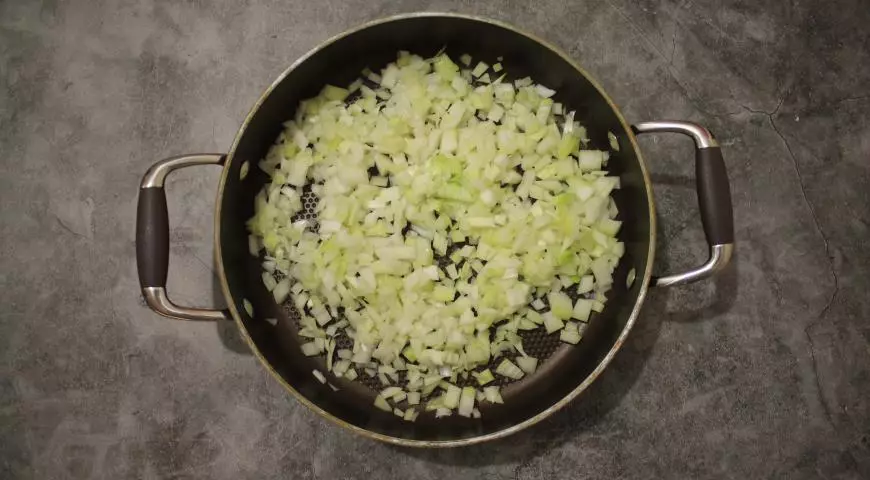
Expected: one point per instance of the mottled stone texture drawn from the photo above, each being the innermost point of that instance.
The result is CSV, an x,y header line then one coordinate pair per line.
x,y
763,373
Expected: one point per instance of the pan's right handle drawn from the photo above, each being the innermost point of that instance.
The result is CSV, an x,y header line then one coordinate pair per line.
x,y
714,199
152,238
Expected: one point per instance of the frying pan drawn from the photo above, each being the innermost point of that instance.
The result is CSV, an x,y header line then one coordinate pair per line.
x,y
565,370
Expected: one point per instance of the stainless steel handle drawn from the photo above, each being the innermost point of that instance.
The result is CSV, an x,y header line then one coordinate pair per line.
x,y
714,199
152,238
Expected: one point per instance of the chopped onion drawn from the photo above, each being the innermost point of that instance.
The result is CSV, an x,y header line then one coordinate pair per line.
x,y
451,396
319,376
484,377
527,364
249,309
281,290
382,404
466,401
492,394
429,162
507,369
552,323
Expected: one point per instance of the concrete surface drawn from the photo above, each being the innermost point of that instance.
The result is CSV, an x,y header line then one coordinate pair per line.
x,y
764,373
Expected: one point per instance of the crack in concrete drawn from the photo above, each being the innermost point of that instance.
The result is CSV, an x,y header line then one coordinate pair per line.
x,y
70,230
834,275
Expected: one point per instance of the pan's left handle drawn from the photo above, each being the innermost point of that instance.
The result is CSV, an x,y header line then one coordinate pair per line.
x,y
152,238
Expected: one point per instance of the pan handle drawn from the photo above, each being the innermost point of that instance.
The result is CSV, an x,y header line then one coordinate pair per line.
x,y
152,238
714,199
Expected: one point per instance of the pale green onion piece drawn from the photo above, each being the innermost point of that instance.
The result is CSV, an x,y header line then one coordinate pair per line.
x,y
507,369
249,309
492,394
451,396
389,392
475,413
497,67
443,412
254,245
413,398
527,364
466,401
629,279
319,376
465,59
410,415
597,306
382,404
560,305
479,69
269,281
582,309
586,284
483,377
281,290
552,323
311,348
243,170
614,143
570,334
351,374
272,321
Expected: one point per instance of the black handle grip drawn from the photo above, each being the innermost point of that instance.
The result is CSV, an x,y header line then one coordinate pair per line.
x,y
152,237
714,196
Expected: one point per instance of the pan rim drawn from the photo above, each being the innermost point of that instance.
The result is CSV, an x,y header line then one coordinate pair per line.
x,y
504,432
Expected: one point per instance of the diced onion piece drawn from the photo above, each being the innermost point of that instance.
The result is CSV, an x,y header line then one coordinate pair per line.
x,y
582,309
443,412
249,309
483,377
629,278
451,396
552,323
527,364
390,392
570,334
560,305
319,376
243,170
614,143
492,394
466,401
413,398
311,349
587,282
479,69
382,404
507,369
281,290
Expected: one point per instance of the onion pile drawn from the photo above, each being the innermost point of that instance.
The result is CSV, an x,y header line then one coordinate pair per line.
x,y
453,211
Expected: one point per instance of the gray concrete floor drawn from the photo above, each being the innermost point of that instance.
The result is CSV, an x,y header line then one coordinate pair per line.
x,y
764,373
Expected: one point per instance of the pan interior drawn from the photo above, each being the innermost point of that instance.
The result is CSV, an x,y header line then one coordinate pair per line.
x,y
339,63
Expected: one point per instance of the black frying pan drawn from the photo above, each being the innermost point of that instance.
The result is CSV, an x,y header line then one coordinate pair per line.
x,y
565,370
